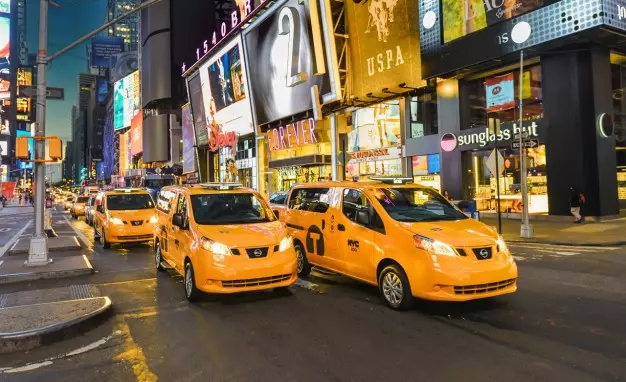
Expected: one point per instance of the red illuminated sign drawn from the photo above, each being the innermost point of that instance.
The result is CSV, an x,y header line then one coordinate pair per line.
x,y
219,138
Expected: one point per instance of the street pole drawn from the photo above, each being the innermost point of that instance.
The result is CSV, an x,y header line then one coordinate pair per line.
x,y
526,230
38,251
497,129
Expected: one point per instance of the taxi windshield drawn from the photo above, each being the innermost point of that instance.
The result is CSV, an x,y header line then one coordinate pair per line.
x,y
82,199
217,209
416,205
129,202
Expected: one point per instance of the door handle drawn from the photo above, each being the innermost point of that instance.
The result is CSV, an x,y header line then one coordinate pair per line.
x,y
341,227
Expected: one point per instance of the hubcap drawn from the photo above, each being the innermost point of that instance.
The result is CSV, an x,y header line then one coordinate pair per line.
x,y
392,288
188,282
300,257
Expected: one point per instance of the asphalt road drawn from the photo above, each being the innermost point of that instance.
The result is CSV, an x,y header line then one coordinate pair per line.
x,y
566,323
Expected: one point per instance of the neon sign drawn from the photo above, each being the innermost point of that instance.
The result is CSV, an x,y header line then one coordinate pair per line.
x,y
219,138
292,135
237,17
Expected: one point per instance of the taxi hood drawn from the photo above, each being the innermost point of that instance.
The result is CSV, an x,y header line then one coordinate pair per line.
x,y
133,214
459,233
245,235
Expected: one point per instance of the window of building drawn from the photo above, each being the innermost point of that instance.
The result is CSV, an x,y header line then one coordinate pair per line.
x,y
618,76
494,97
423,110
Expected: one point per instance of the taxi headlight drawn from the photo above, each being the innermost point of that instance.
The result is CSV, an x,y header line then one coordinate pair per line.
x,y
285,244
502,247
215,247
116,221
433,246
154,220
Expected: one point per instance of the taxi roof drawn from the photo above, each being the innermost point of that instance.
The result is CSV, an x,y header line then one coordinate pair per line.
x,y
369,183
122,191
209,188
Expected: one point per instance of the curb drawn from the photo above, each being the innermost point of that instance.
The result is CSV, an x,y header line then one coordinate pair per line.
x,y
33,338
77,246
34,276
556,242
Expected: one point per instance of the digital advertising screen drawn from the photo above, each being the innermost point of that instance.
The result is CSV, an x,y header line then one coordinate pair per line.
x,y
225,91
194,87
5,6
126,101
189,158
5,54
103,89
136,134
462,17
31,148
281,64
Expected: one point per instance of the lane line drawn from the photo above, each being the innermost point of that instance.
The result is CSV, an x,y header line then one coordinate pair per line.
x,y
10,243
80,235
133,355
126,282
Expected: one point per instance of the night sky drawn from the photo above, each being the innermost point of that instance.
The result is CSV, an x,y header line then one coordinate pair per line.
x,y
75,19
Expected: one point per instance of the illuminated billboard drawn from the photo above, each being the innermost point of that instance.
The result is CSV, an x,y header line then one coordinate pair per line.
x,y
189,151
31,148
5,54
126,101
225,93
5,6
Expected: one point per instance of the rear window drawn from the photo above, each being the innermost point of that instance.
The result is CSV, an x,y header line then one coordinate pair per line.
x,y
129,202
82,199
278,199
310,199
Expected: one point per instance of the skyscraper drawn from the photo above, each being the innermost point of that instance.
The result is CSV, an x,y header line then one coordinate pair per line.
x,y
127,28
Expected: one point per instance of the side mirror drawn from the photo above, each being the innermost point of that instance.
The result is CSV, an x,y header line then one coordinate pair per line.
x,y
276,213
178,221
363,217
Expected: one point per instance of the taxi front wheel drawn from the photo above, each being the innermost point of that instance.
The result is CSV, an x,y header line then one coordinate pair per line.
x,y
394,287
191,292
158,259
304,268
105,243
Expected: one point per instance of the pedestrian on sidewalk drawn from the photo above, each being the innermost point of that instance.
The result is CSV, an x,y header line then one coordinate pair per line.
x,y
574,204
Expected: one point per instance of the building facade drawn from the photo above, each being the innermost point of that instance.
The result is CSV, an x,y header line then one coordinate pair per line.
x,y
128,28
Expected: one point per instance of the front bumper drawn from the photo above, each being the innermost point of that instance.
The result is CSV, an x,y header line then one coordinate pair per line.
x,y
126,233
239,273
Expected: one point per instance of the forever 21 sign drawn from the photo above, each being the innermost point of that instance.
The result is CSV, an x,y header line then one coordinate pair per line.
x,y
237,17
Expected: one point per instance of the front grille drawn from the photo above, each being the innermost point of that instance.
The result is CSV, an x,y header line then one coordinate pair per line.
x,y
483,288
257,253
136,222
135,237
255,282
483,253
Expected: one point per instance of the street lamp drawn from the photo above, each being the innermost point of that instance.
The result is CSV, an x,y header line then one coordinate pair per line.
x,y
520,34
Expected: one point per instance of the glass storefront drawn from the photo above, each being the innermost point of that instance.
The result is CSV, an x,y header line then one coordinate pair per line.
x,y
374,142
618,75
298,153
239,167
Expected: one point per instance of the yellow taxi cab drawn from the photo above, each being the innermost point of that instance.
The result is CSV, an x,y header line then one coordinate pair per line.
x,y
223,238
78,207
123,216
404,238
67,204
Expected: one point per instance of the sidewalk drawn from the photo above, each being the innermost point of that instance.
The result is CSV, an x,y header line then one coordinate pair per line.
x,y
605,233
13,209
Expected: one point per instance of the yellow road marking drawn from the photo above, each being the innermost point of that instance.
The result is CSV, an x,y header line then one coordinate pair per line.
x,y
133,355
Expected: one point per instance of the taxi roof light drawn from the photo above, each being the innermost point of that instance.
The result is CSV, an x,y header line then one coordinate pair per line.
x,y
221,186
392,180
128,190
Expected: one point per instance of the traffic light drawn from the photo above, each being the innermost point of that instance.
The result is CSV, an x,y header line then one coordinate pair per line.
x,y
21,148
55,148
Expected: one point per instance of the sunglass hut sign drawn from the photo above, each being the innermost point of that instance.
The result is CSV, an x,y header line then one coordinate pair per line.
x,y
449,141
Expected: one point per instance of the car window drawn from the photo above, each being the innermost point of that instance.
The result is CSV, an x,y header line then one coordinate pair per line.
x,y
164,200
310,199
82,199
278,199
230,208
129,202
355,200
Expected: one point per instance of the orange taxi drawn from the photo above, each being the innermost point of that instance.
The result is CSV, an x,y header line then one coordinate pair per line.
x,y
223,238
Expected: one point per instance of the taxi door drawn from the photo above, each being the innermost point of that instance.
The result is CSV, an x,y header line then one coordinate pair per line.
x,y
356,236
180,238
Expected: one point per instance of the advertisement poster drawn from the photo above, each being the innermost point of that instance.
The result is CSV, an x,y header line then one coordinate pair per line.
x,y
189,152
462,17
281,64
420,165
375,127
434,163
197,108
500,93
31,148
123,153
136,134
103,48
4,148
5,53
5,6
384,45
126,100
123,64
225,93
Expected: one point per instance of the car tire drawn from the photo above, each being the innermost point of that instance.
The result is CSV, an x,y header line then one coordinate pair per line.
x,y
158,259
105,243
394,288
304,268
191,292
96,237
